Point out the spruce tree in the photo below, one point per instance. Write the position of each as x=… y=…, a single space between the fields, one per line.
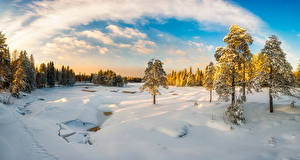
x=209 y=75
x=190 y=78
x=5 y=71
x=18 y=83
x=51 y=74
x=32 y=72
x=43 y=74
x=154 y=77
x=276 y=72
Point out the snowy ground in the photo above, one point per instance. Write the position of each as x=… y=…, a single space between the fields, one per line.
x=183 y=125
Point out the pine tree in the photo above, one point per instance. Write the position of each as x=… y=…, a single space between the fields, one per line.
x=178 y=79
x=32 y=72
x=198 y=77
x=18 y=83
x=276 y=72
x=209 y=75
x=43 y=75
x=155 y=76
x=50 y=74
x=29 y=74
x=190 y=78
x=5 y=71
x=183 y=78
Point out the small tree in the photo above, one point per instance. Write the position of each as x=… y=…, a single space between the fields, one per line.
x=209 y=75
x=155 y=76
x=276 y=72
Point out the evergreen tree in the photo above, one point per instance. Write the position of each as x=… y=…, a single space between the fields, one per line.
x=5 y=71
x=18 y=83
x=29 y=73
x=190 y=78
x=198 y=77
x=155 y=76
x=183 y=77
x=50 y=74
x=276 y=73
x=209 y=78
x=43 y=75
x=32 y=72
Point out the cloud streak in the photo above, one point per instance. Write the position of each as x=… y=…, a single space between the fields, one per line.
x=57 y=15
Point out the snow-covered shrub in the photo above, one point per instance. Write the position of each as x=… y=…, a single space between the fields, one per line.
x=234 y=113
x=5 y=98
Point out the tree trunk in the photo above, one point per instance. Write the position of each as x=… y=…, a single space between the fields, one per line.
x=154 y=102
x=210 y=96
x=244 y=84
x=270 y=90
x=233 y=88
x=271 y=100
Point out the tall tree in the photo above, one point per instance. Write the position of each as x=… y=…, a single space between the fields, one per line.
x=276 y=72
x=18 y=83
x=5 y=71
x=43 y=72
x=51 y=74
x=29 y=73
x=190 y=78
x=32 y=72
x=209 y=76
x=155 y=76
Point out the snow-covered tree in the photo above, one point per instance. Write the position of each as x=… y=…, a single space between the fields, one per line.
x=5 y=71
x=209 y=77
x=276 y=72
x=29 y=73
x=18 y=83
x=155 y=76
x=232 y=63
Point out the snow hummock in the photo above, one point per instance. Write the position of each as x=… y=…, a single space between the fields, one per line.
x=181 y=126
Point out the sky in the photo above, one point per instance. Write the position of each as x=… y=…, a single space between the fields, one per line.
x=123 y=35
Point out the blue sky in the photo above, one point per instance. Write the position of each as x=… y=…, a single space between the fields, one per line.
x=123 y=35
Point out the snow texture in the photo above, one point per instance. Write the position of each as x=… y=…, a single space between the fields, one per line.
x=181 y=126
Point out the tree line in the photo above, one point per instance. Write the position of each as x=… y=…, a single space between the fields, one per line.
x=19 y=74
x=82 y=77
x=184 y=78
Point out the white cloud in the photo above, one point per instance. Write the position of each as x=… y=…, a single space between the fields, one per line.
x=70 y=45
x=177 y=52
x=46 y=18
x=102 y=50
x=97 y=35
x=144 y=46
x=126 y=32
x=298 y=35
